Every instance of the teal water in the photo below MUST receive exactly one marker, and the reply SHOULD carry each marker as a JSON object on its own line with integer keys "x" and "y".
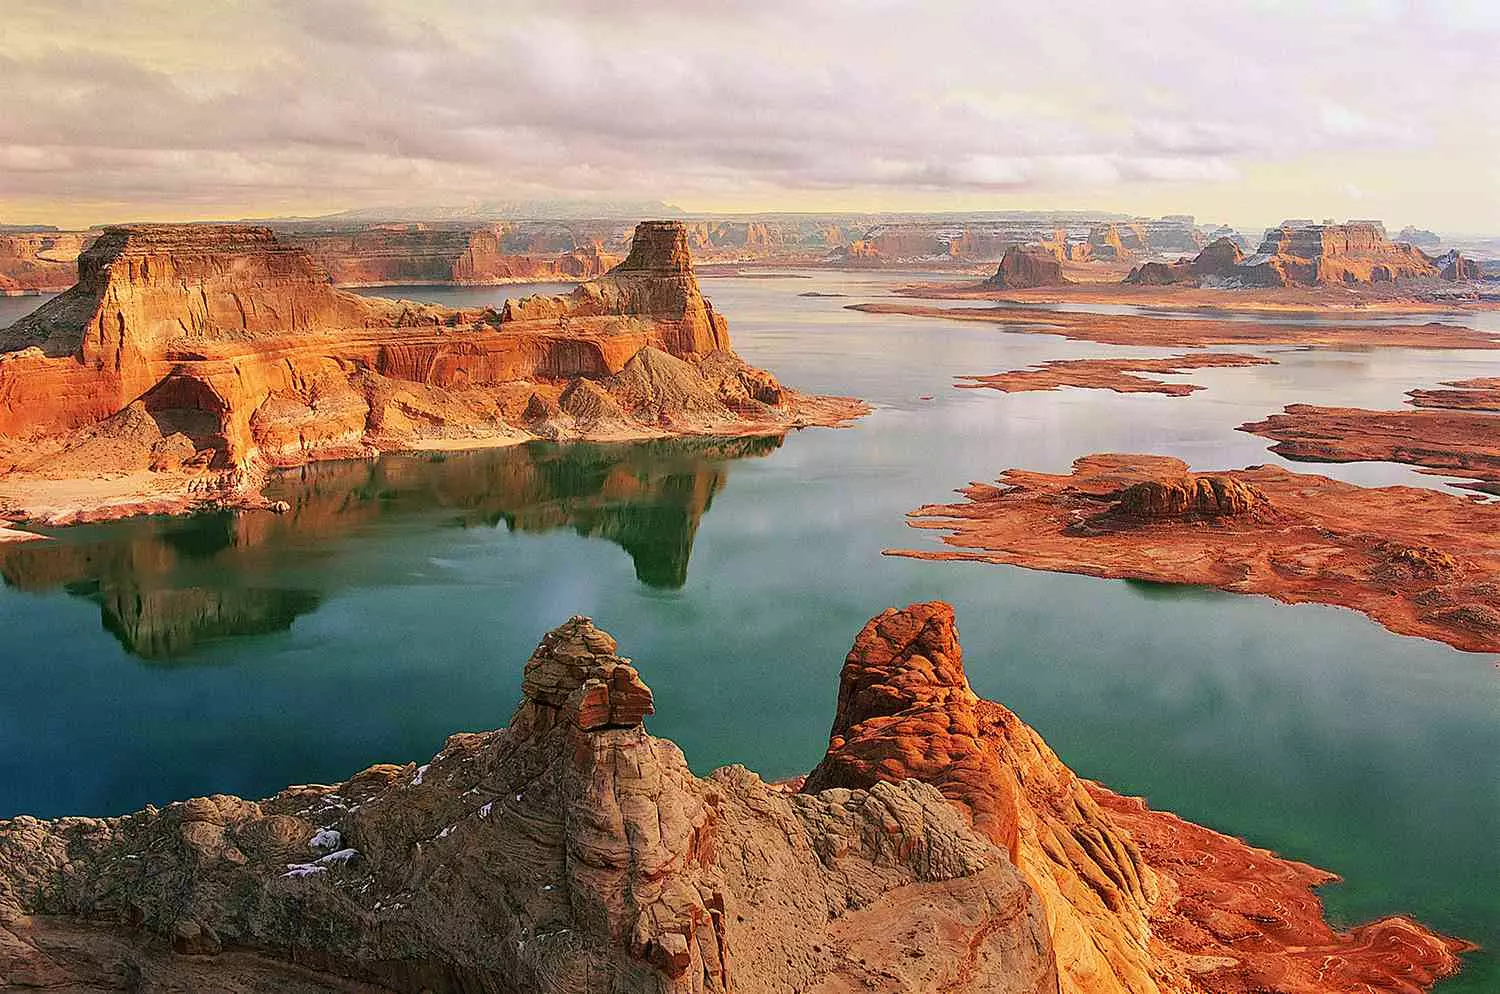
{"x": 155, "y": 659}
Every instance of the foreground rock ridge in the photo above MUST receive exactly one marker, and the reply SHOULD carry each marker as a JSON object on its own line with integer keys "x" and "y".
{"x": 190, "y": 359}
{"x": 939, "y": 846}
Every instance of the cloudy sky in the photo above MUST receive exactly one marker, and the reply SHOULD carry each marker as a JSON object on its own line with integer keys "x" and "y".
{"x": 1240, "y": 110}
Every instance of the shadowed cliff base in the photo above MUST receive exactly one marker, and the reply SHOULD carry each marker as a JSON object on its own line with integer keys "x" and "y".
{"x": 939, "y": 845}
{"x": 1417, "y": 561}
{"x": 191, "y": 359}
{"x": 164, "y": 585}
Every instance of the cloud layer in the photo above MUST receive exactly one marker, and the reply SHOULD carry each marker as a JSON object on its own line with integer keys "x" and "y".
{"x": 159, "y": 109}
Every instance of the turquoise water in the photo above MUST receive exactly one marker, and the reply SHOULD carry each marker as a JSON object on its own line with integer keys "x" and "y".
{"x": 150, "y": 660}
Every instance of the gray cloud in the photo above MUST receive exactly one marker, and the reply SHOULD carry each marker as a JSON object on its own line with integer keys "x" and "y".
{"x": 347, "y": 102}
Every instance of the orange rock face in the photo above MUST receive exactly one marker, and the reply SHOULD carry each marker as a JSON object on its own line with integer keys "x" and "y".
{"x": 1417, "y": 561}
{"x": 1455, "y": 431}
{"x": 1025, "y": 266}
{"x": 1137, "y": 900}
{"x": 1313, "y": 254}
{"x": 205, "y": 354}
{"x": 1110, "y": 374}
{"x": 41, "y": 261}
{"x": 419, "y": 253}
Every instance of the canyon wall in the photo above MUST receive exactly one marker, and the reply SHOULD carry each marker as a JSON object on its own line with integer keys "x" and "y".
{"x": 1315, "y": 254}
{"x": 40, "y": 261}
{"x": 939, "y": 846}
{"x": 207, "y": 353}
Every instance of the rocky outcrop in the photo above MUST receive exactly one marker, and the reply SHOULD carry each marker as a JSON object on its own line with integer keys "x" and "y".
{"x": 190, "y": 358}
{"x": 1026, "y": 266}
{"x": 1417, "y": 561}
{"x": 939, "y": 845}
{"x": 1137, "y": 900}
{"x": 570, "y": 851}
{"x": 1190, "y": 496}
{"x": 1453, "y": 266}
{"x": 1217, "y": 261}
{"x": 41, "y": 261}
{"x": 421, "y": 253}
{"x": 1356, "y": 253}
{"x": 1119, "y": 375}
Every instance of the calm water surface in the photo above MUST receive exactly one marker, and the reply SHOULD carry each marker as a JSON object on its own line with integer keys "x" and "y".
{"x": 156, "y": 659}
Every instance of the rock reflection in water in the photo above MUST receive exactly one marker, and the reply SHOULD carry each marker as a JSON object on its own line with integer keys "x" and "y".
{"x": 165, "y": 585}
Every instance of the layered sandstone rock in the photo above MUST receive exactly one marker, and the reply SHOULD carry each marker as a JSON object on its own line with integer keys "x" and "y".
{"x": 569, "y": 852}
{"x": 1025, "y": 266}
{"x": 1217, "y": 261}
{"x": 1355, "y": 253}
{"x": 1137, "y": 900}
{"x": 1191, "y": 496}
{"x": 1452, "y": 265}
{"x": 189, "y": 358}
{"x": 41, "y": 261}
{"x": 939, "y": 845}
{"x": 421, "y": 253}
{"x": 1418, "y": 561}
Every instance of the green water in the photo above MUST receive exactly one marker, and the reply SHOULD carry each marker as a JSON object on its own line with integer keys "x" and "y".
{"x": 155, "y": 659}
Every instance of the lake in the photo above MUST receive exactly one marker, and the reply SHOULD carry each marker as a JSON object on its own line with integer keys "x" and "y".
{"x": 156, "y": 659}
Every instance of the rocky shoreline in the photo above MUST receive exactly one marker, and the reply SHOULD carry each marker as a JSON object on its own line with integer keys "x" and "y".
{"x": 1417, "y": 561}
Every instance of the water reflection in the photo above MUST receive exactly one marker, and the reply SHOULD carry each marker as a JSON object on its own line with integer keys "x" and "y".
{"x": 164, "y": 586}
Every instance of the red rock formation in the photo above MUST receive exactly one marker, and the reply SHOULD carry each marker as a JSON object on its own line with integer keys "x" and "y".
{"x": 1111, "y": 374}
{"x": 208, "y": 353}
{"x": 1453, "y": 266}
{"x": 569, "y": 852}
{"x": 1025, "y": 266}
{"x": 1357, "y": 253}
{"x": 1418, "y": 561}
{"x": 1138, "y": 900}
{"x": 1456, "y": 432}
{"x": 41, "y": 261}
{"x": 1217, "y": 261}
{"x": 418, "y": 253}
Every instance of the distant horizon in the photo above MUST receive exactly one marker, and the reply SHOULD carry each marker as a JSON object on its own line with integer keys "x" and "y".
{"x": 1251, "y": 230}
{"x": 1252, "y": 109}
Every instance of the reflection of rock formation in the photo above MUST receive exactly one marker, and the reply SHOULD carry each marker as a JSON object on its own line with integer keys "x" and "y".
{"x": 144, "y": 600}
{"x": 939, "y": 846}
{"x": 164, "y": 585}
{"x": 646, "y": 497}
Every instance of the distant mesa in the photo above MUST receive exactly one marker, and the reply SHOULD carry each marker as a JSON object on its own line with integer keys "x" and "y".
{"x": 1026, "y": 266}
{"x": 190, "y": 359}
{"x": 939, "y": 845}
{"x": 1301, "y": 253}
{"x": 1420, "y": 237}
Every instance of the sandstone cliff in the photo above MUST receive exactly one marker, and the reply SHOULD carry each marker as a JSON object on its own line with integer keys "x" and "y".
{"x": 1137, "y": 900}
{"x": 189, "y": 359}
{"x": 1355, "y": 253}
{"x": 40, "y": 261}
{"x": 1026, "y": 266}
{"x": 939, "y": 846}
{"x": 420, "y": 253}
